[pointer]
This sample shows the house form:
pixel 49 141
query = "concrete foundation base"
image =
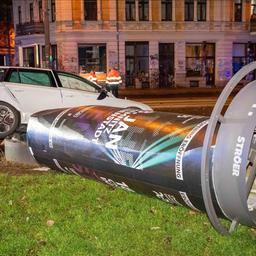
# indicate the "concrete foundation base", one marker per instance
pixel 17 151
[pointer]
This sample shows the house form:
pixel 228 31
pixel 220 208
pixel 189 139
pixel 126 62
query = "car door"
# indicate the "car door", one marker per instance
pixel 35 90
pixel 77 91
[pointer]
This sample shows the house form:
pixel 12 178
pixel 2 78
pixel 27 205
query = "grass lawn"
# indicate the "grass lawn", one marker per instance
pixel 58 214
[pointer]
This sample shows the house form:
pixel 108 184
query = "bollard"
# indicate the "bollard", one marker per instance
pixel 205 164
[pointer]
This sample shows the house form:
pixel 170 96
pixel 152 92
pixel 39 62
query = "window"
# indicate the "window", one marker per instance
pixel 238 10
pixel 143 10
pixel 189 10
pixel 53 8
pixel 166 10
pixel 239 56
pixel 92 57
pixel 201 10
pixel 200 61
pixel 14 77
pixel 19 14
pixel 29 57
pixel 35 77
pixel 137 64
pixel 40 10
pixel 130 10
pixel 253 10
pixel 90 9
pixel 75 82
pixel 243 53
pixel 31 12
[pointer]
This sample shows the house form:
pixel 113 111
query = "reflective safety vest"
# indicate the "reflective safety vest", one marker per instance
pixel 113 78
pixel 92 77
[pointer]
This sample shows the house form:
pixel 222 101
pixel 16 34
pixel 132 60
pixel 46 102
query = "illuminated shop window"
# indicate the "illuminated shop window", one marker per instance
pixel 243 54
pixel 200 61
pixel 92 57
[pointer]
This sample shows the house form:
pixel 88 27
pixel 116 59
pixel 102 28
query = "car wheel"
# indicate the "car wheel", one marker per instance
pixel 9 119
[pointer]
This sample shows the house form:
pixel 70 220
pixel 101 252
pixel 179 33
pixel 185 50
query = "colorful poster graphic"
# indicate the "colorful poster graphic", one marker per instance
pixel 154 153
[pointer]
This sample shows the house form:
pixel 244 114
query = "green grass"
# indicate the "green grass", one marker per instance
pixel 93 219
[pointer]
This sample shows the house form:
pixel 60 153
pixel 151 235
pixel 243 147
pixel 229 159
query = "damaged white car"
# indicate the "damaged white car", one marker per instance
pixel 24 91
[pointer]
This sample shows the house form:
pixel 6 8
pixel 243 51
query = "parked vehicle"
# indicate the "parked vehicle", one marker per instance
pixel 24 91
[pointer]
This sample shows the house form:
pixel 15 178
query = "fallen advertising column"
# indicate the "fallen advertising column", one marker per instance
pixel 147 152
pixel 205 164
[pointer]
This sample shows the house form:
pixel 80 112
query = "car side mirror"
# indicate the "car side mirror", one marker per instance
pixel 103 94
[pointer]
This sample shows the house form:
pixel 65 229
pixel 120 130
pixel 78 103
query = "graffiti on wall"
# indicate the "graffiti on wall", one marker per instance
pixel 180 67
pixel 224 68
pixel 154 78
pixel 153 61
pixel 154 72
pixel 112 59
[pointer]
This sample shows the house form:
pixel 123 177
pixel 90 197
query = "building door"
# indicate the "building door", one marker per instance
pixel 166 64
pixel 137 64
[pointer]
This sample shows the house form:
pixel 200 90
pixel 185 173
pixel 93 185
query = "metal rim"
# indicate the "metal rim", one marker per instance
pixel 205 162
pixel 7 119
pixel 234 158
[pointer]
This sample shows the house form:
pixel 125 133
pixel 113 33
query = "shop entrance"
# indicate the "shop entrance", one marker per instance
pixel 166 64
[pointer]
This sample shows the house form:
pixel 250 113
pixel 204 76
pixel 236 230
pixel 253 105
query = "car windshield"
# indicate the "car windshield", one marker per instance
pixel 72 81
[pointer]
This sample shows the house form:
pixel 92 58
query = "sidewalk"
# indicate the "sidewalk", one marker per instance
pixel 172 92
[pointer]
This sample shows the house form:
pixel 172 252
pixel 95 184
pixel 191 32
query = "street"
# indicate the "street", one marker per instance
pixel 199 101
pixel 187 105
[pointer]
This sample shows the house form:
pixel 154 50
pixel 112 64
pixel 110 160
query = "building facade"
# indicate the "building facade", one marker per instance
pixel 154 43
pixel 7 34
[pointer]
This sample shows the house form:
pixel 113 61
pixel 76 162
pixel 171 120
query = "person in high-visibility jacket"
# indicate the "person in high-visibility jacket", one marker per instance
pixel 92 77
pixel 113 81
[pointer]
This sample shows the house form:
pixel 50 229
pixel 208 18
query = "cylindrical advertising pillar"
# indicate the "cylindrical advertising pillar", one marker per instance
pixel 154 153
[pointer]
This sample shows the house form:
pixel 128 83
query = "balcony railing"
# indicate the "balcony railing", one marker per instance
pixel 29 28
